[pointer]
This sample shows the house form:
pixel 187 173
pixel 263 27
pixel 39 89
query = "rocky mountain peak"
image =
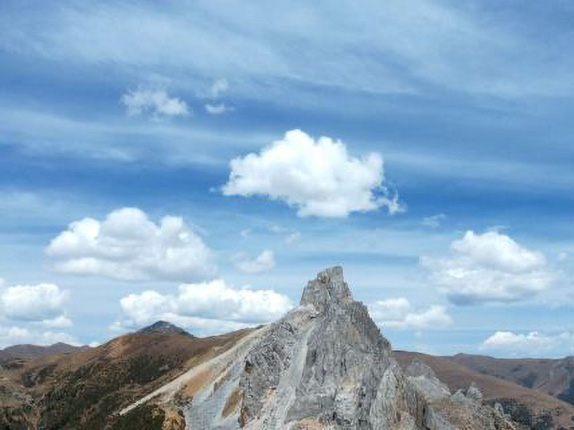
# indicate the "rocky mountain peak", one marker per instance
pixel 328 287
pixel 323 365
pixel 163 327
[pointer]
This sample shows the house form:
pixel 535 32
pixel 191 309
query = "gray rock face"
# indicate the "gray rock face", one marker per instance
pixel 426 382
pixel 325 365
pixel 329 289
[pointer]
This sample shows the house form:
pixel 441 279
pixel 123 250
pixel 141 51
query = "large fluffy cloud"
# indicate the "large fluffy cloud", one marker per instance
pixel 204 308
pixel 128 246
pixel 489 267
pixel 27 311
pixel 318 177
pixel 43 303
pixel 399 313
pixel 153 102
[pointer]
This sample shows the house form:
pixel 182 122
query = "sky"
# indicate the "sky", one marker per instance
pixel 200 161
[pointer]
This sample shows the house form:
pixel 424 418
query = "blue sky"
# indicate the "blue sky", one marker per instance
pixel 469 104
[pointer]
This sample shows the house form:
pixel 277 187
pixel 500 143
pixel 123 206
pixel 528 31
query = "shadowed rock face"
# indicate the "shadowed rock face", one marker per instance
pixel 347 361
pixel 325 363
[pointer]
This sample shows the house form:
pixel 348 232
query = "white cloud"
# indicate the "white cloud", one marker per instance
pixel 434 221
pixel 218 108
pixel 13 335
pixel 50 337
pixel 205 308
pixel 318 177
pixel 154 103
pixel 61 321
pixel 35 303
pixel 262 263
pixel 399 313
pixel 218 300
pixel 218 87
pixel 490 267
pixel 293 238
pixel 291 235
pixel 33 307
pixel 128 246
pixel 562 256
pixel 530 343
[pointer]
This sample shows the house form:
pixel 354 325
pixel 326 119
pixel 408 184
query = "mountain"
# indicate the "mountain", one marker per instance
pixel 555 377
pixel 533 408
pixel 86 388
pixel 28 352
pixel 163 327
pixel 324 365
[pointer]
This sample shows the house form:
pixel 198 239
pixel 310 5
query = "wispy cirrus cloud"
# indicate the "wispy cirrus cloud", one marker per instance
pixel 262 263
pixel 463 49
pixel 434 221
pixel 155 103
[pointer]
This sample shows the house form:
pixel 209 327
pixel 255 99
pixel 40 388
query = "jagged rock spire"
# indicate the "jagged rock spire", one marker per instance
pixel 328 287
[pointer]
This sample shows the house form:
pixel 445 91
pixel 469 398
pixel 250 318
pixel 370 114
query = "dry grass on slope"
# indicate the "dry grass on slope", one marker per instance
pixel 83 389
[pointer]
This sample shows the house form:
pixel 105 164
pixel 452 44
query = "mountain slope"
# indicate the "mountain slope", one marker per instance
pixel 529 405
pixel 555 377
pixel 85 389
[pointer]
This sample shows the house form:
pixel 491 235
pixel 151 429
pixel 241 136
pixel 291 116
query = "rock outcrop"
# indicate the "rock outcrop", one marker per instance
pixel 426 382
pixel 326 363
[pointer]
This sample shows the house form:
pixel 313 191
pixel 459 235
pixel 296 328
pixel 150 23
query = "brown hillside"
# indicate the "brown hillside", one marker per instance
pixel 458 376
pixel 86 388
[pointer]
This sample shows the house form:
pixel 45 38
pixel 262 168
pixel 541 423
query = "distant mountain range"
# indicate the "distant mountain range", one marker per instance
pixel 555 377
pixel 28 352
pixel 324 365
pixel 534 407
